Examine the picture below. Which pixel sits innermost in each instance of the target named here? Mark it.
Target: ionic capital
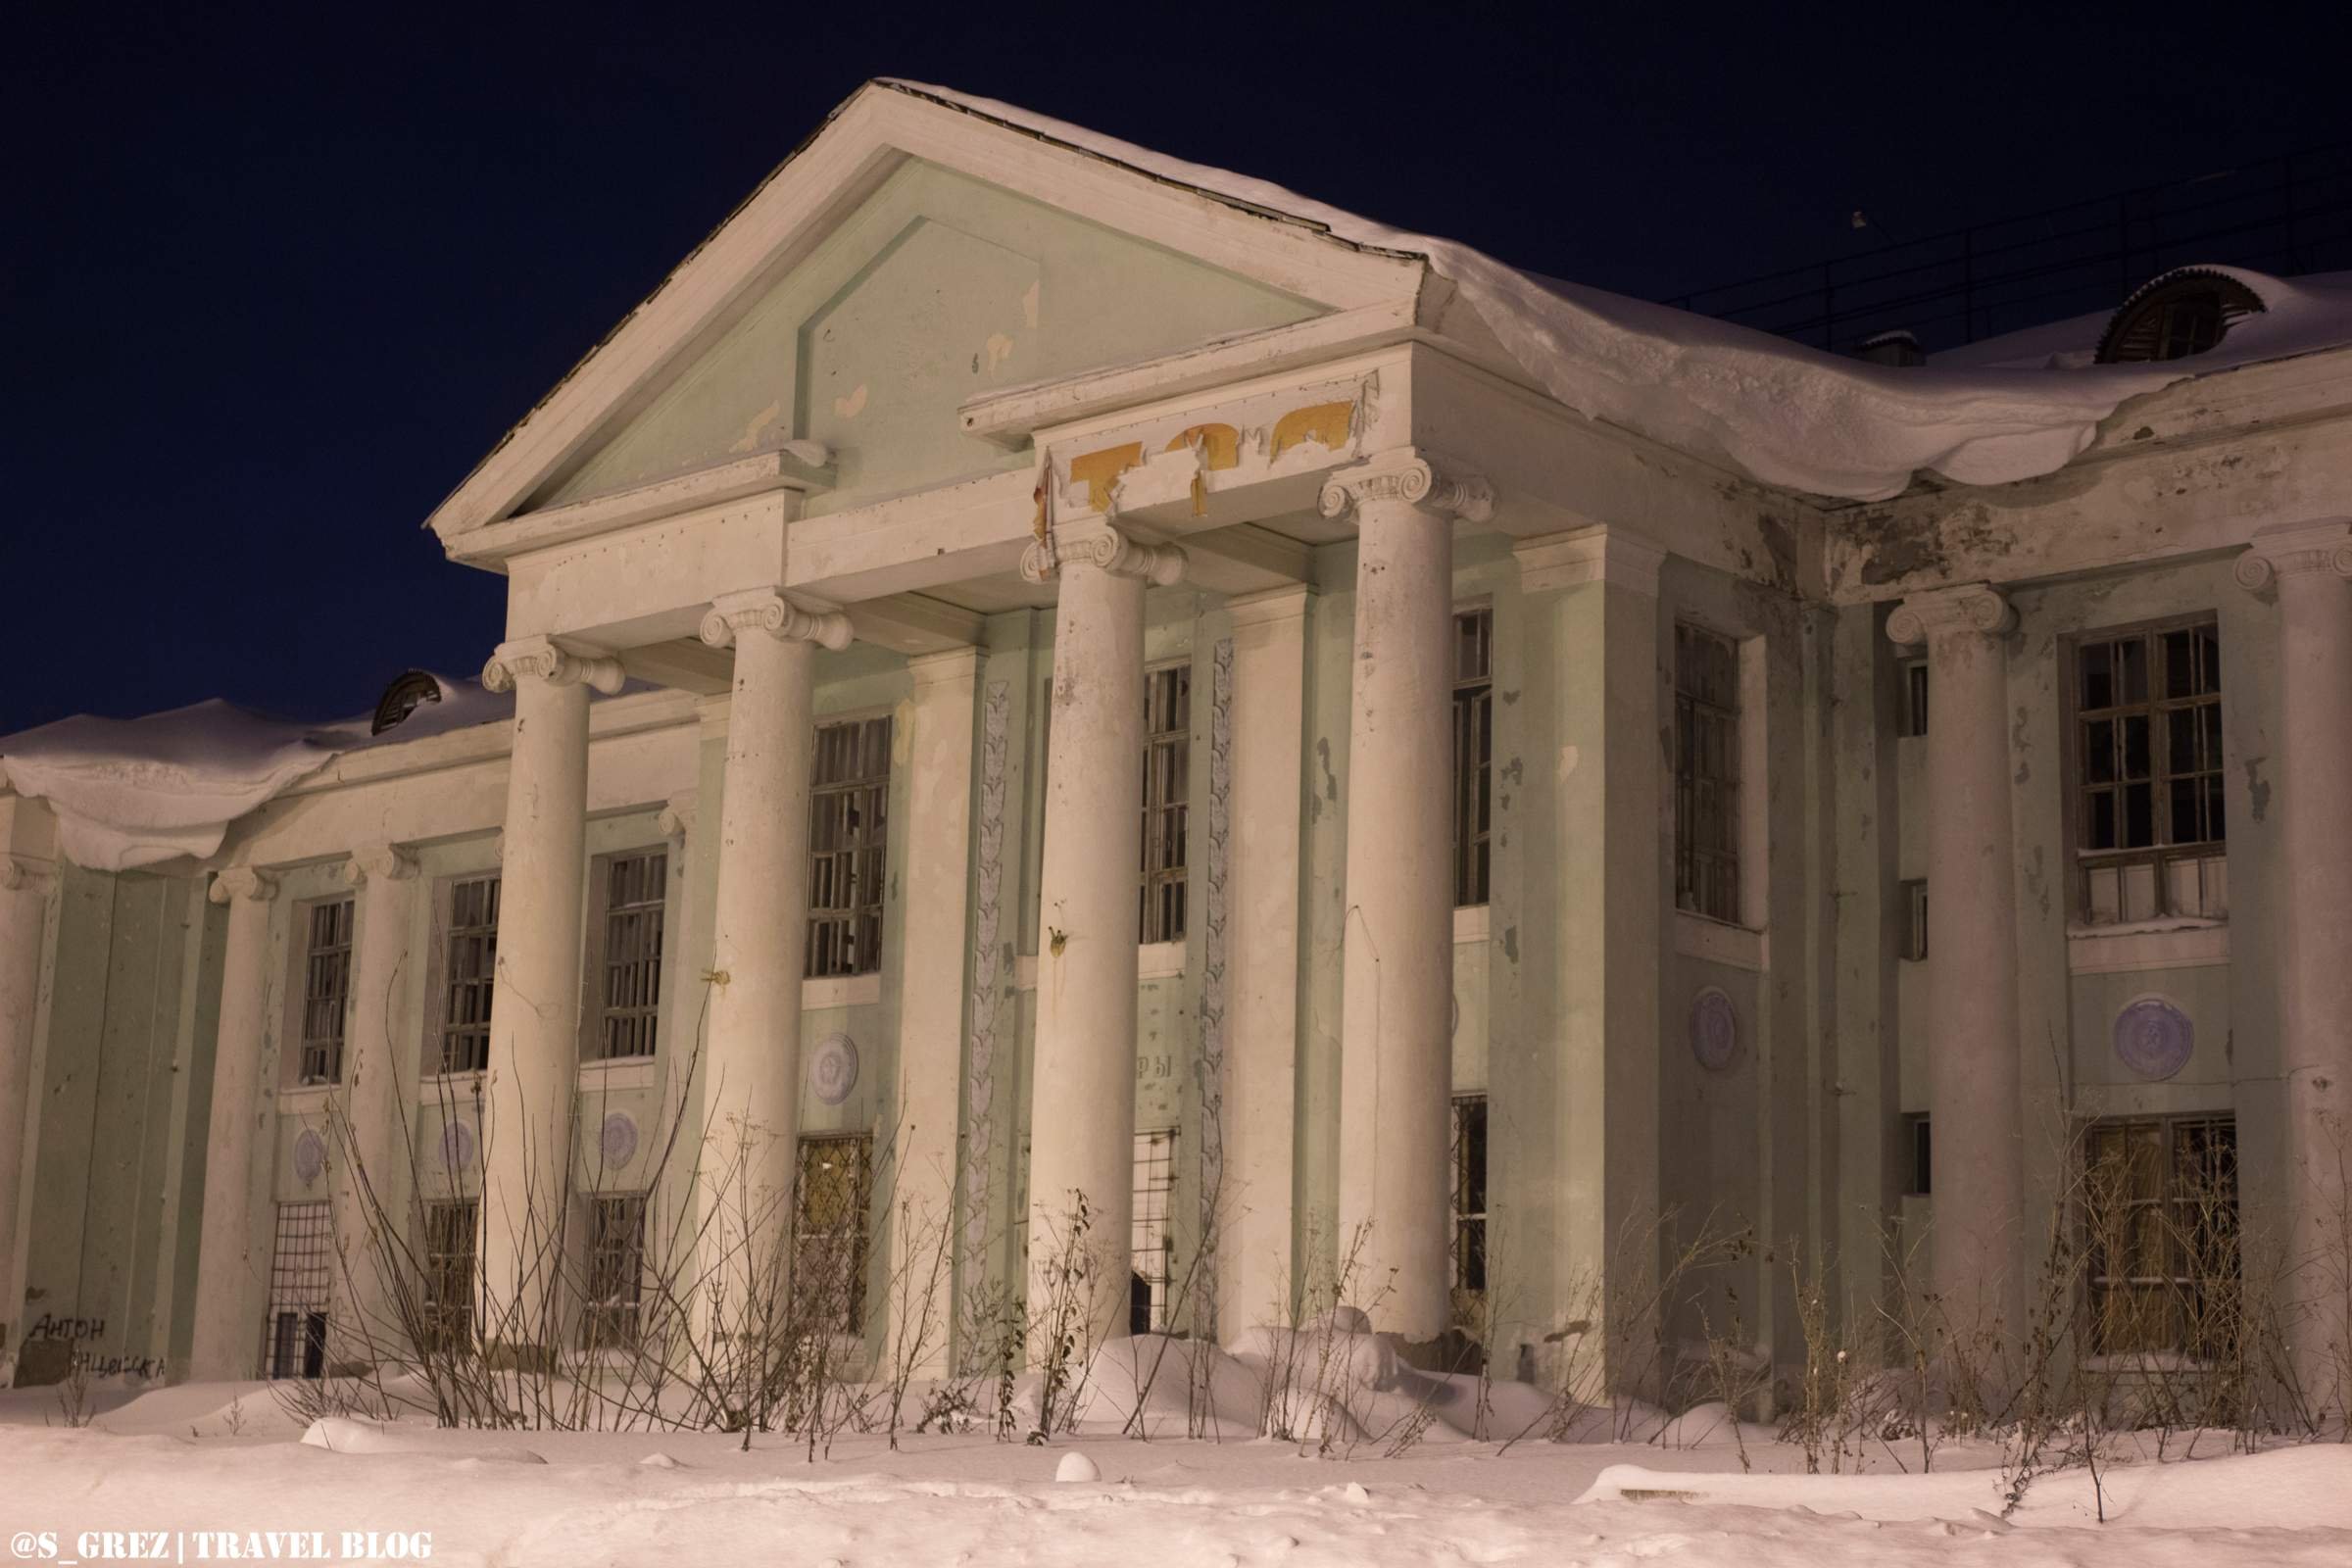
(2291, 550)
(242, 882)
(542, 659)
(1106, 548)
(766, 610)
(18, 875)
(1971, 608)
(387, 862)
(1409, 477)
(676, 820)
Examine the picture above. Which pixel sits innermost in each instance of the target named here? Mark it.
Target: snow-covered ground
(226, 1458)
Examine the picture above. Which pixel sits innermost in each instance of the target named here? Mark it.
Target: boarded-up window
(447, 1298)
(326, 989)
(829, 1231)
(849, 812)
(1167, 770)
(629, 958)
(469, 974)
(615, 1275)
(2160, 1223)
(1706, 773)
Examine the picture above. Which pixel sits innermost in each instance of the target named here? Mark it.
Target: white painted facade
(966, 427)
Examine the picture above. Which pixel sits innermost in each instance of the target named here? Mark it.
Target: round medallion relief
(457, 1145)
(833, 1068)
(309, 1157)
(1714, 1030)
(2153, 1037)
(618, 1139)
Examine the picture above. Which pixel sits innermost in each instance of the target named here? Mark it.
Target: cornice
(1601, 552)
(542, 659)
(1104, 547)
(1270, 605)
(1974, 607)
(950, 666)
(767, 609)
(1407, 476)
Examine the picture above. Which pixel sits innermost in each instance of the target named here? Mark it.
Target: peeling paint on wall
(1327, 423)
(1100, 470)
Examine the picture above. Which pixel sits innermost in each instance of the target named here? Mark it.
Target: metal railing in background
(2284, 216)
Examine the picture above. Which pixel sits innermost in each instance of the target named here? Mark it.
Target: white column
(2309, 563)
(1254, 1260)
(931, 998)
(752, 1060)
(1977, 1245)
(232, 1265)
(1396, 959)
(535, 1008)
(26, 874)
(1082, 1111)
(369, 1183)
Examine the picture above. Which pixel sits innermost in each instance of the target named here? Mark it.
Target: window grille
(1915, 919)
(472, 976)
(1473, 753)
(2148, 773)
(448, 1295)
(1469, 1271)
(609, 1317)
(848, 820)
(1167, 770)
(829, 1235)
(1915, 696)
(2160, 1221)
(1150, 1245)
(325, 990)
(1706, 778)
(300, 1274)
(630, 959)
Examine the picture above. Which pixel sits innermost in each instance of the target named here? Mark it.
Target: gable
(937, 288)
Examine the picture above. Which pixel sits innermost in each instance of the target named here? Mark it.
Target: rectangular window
(1167, 770)
(628, 957)
(300, 1273)
(1469, 1270)
(448, 1294)
(829, 1229)
(1915, 696)
(1149, 1242)
(471, 975)
(1706, 773)
(2160, 1224)
(2149, 828)
(1918, 1162)
(1472, 753)
(615, 1285)
(849, 814)
(1915, 919)
(325, 990)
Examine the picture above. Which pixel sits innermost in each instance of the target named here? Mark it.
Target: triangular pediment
(908, 259)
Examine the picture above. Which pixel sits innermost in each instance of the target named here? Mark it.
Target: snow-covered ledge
(1471, 924)
(616, 1073)
(1735, 946)
(305, 1100)
(1153, 960)
(840, 991)
(2174, 942)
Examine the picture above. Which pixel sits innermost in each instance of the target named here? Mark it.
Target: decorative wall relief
(457, 1146)
(1714, 1030)
(616, 1140)
(309, 1157)
(2153, 1037)
(1210, 1067)
(980, 1051)
(833, 1068)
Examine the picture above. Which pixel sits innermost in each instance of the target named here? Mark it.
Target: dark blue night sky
(274, 285)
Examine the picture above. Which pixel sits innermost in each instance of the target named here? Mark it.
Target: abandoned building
(1033, 669)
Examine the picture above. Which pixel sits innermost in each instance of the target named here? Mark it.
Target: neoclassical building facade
(1033, 671)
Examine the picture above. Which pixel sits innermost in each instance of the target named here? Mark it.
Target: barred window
(629, 954)
(2160, 1217)
(295, 1332)
(1469, 1272)
(1148, 1227)
(2149, 827)
(325, 990)
(1472, 753)
(1915, 696)
(829, 1236)
(1167, 770)
(471, 975)
(847, 819)
(1915, 918)
(615, 1285)
(448, 1295)
(1706, 778)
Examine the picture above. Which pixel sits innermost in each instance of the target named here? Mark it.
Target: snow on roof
(134, 792)
(1783, 412)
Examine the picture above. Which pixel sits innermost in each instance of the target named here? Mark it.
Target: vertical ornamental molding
(981, 1046)
(1209, 1069)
